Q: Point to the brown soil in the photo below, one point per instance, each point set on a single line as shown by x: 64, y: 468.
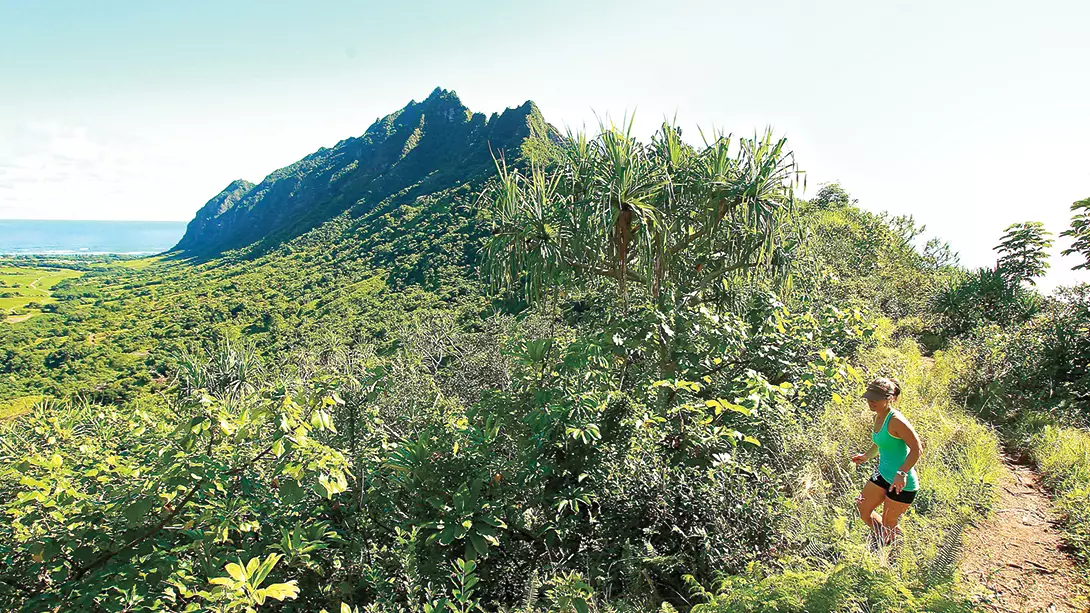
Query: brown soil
x: 1018, y: 555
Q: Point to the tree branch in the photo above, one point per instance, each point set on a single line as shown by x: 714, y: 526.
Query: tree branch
x: 103, y: 559
x: 714, y: 276
x: 612, y: 273
x: 258, y: 457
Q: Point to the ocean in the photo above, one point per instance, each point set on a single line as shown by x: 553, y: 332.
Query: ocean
x: 26, y: 236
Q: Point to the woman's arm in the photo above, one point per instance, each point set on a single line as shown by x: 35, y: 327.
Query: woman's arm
x: 859, y: 458
x: 903, y: 430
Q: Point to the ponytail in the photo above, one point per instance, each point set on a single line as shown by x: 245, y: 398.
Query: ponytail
x: 896, y: 387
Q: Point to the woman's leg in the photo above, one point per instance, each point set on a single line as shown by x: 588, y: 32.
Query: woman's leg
x: 891, y: 514
x: 869, y: 499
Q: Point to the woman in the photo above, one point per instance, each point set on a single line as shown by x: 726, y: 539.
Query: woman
x: 897, y: 446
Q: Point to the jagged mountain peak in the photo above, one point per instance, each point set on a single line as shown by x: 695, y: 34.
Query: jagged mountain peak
x: 443, y: 96
x: 424, y: 147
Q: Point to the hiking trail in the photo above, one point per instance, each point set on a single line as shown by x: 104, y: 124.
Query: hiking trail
x: 1018, y: 554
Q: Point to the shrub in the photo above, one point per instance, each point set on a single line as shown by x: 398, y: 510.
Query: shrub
x: 1063, y: 457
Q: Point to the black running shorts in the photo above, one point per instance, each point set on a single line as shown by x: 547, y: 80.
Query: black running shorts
x: 904, y: 496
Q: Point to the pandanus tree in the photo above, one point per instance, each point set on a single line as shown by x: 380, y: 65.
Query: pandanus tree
x: 674, y: 227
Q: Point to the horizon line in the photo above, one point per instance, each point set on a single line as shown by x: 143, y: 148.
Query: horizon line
x: 106, y: 220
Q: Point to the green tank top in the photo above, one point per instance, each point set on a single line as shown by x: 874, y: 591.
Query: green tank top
x: 892, y: 452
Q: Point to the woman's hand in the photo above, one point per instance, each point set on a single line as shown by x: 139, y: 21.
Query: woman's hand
x: 898, y: 484
x: 859, y: 458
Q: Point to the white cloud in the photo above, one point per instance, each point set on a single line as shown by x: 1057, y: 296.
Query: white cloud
x: 52, y: 170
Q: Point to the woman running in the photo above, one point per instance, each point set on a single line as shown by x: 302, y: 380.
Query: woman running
x: 897, y: 446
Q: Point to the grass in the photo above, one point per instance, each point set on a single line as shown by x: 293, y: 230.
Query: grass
x: 13, y: 408
x: 1062, y: 455
x: 857, y: 582
x: 959, y: 473
x: 139, y: 264
x: 28, y: 285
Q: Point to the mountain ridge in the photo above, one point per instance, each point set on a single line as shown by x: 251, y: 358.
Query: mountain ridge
x: 423, y: 148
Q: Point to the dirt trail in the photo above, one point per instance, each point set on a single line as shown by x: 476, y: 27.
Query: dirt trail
x: 1018, y: 555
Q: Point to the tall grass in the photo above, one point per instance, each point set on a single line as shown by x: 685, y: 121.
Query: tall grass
x: 10, y: 409
x: 826, y: 566
x: 1062, y: 455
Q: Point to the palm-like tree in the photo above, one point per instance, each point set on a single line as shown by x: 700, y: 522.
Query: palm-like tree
x: 675, y: 227
x: 665, y: 221
x: 1023, y: 252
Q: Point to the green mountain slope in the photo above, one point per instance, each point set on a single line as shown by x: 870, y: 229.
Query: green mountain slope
x: 349, y: 242
x: 425, y: 148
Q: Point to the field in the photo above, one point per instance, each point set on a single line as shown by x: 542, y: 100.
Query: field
x: 21, y: 286
x: 140, y: 264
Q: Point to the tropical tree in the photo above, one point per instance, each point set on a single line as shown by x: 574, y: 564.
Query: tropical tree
x: 674, y: 227
x: 1023, y: 252
x: 985, y: 295
x: 1079, y: 232
x: 832, y: 195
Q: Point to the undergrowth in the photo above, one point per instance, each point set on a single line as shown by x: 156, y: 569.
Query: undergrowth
x: 1062, y: 455
x: 829, y: 568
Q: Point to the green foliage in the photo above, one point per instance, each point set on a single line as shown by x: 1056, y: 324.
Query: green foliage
x: 1063, y: 456
x: 1023, y: 252
x: 987, y: 295
x: 340, y: 417
x: 1040, y: 364
x: 569, y: 593
x: 1079, y: 233
x: 242, y: 589
x: 851, y: 257
x: 144, y: 503
x: 854, y: 583
x: 675, y: 221
x: 369, y: 495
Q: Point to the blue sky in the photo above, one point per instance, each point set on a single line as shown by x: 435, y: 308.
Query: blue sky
x: 968, y: 115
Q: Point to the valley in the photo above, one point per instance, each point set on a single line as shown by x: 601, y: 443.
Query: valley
x: 461, y: 362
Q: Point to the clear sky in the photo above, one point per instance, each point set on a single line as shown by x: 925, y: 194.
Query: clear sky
x: 970, y: 115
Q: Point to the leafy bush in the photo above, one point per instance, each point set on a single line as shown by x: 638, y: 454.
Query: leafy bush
x: 1042, y: 364
x: 527, y: 456
x: 140, y: 506
x: 1063, y: 457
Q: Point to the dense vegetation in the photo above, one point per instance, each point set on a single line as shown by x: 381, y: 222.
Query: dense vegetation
x: 604, y: 375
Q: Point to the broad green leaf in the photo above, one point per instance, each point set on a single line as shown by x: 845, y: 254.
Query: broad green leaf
x: 251, y: 570
x: 290, y: 492
x: 136, y: 511
x: 227, y: 427
x: 236, y: 571
x: 283, y: 591
x: 258, y: 576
